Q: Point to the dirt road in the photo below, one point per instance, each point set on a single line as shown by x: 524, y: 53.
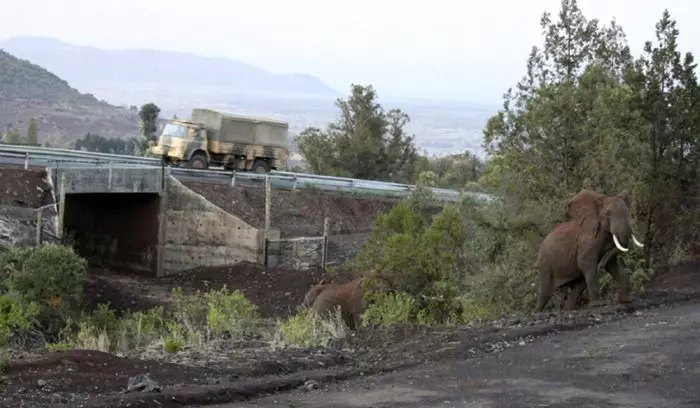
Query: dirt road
x: 649, y: 360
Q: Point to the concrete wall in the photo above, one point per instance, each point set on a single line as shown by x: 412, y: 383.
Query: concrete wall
x: 295, y: 253
x: 107, y: 179
x: 196, y: 232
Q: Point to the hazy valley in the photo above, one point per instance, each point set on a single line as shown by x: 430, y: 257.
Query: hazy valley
x: 177, y: 82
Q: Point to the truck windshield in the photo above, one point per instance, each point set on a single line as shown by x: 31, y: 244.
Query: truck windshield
x: 174, y: 130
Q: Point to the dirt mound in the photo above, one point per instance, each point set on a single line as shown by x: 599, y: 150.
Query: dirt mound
x: 297, y: 213
x: 276, y: 291
x: 71, y: 377
x: 24, y: 188
x: 685, y: 275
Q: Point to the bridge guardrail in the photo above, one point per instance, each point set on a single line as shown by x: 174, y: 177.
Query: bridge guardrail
x: 43, y: 156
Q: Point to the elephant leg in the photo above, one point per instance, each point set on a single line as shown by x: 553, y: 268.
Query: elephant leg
x: 574, y: 295
x: 546, y: 290
x: 589, y: 266
x: 620, y: 275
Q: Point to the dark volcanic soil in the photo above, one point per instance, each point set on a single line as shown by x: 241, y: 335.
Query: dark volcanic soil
x: 23, y: 188
x: 234, y: 371
x: 275, y: 291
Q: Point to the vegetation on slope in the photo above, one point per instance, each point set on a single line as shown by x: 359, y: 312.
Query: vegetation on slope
x: 22, y: 80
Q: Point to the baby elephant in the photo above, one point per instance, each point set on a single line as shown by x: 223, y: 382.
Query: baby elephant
x: 324, y: 297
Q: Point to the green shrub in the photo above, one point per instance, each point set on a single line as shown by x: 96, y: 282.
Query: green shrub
x: 137, y: 329
x: 11, y: 261
x: 51, y: 276
x: 13, y: 318
x: 308, y: 329
x: 390, y: 308
x: 408, y: 255
x: 230, y: 313
x: 171, y: 345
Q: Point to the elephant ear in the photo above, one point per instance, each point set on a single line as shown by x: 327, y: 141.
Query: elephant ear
x: 585, y: 203
x: 625, y: 196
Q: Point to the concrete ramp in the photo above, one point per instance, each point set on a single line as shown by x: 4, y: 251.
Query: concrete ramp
x: 196, y: 232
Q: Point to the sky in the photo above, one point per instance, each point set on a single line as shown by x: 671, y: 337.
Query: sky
x: 439, y: 49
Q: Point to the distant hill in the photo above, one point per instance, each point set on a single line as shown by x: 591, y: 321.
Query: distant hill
x: 94, y: 68
x: 62, y: 112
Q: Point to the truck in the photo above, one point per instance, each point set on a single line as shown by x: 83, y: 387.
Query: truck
x: 215, y: 138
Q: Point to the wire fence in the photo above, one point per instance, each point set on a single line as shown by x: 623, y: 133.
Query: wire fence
x: 23, y: 226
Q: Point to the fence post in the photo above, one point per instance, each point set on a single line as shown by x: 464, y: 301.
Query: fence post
x: 268, y: 206
x: 39, y: 211
x: 326, y: 232
x: 109, y: 176
x: 233, y: 179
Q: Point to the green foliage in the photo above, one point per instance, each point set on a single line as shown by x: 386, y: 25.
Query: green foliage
x: 13, y: 137
x: 13, y: 318
x: 171, y: 345
x: 95, y: 143
x: 22, y: 80
x: 365, y: 142
x: 406, y: 254
x: 230, y: 313
x: 51, y: 276
x: 308, y: 329
x: 390, y: 308
x: 32, y: 132
x: 148, y: 114
x: 589, y: 115
x: 453, y: 171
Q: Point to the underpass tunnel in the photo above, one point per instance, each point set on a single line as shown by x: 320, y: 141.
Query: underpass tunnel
x: 118, y: 230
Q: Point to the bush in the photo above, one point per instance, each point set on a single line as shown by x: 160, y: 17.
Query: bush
x: 308, y: 329
x: 50, y: 276
x: 230, y: 313
x: 406, y: 254
x: 390, y: 308
x: 13, y: 318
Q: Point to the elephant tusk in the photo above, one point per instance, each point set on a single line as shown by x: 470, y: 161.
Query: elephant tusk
x: 636, y: 242
x: 618, y: 245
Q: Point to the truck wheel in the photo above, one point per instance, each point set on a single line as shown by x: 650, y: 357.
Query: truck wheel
x: 198, y: 161
x: 260, y: 166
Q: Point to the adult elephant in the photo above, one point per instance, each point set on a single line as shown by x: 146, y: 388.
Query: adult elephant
x: 569, y: 255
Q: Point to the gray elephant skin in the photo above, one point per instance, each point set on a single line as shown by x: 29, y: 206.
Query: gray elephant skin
x: 569, y: 256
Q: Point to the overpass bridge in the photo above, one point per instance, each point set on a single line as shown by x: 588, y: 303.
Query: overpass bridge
x: 144, y: 218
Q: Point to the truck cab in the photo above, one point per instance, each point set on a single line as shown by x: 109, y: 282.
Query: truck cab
x: 214, y: 138
x: 183, y: 142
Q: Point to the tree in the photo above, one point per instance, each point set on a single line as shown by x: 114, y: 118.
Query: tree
x: 588, y: 115
x: 13, y: 136
x: 667, y: 95
x: 542, y: 136
x: 453, y: 171
x: 32, y: 132
x: 149, y: 125
x: 364, y: 142
x: 149, y: 120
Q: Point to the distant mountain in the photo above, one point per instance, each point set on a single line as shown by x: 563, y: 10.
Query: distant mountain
x: 62, y: 112
x: 90, y: 68
x: 23, y: 80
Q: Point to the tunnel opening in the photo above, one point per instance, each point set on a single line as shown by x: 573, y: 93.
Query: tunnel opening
x: 115, y: 230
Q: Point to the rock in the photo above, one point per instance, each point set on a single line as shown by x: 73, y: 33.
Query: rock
x: 142, y: 383
x: 310, y: 385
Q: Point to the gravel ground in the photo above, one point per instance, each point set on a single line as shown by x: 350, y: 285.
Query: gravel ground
x: 649, y: 359
x: 601, y: 357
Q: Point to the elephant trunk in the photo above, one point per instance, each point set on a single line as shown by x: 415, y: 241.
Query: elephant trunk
x: 622, y: 234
